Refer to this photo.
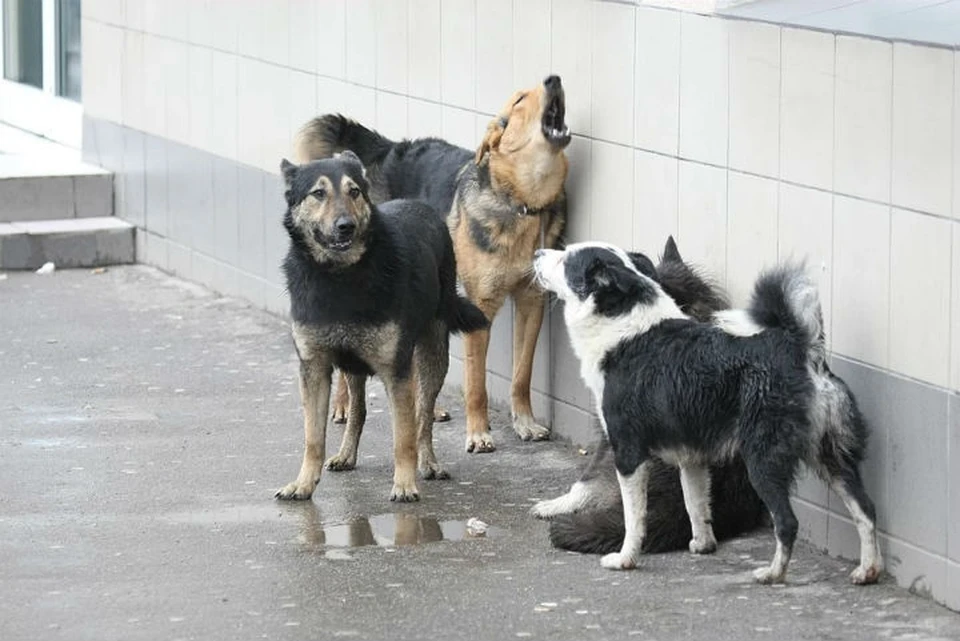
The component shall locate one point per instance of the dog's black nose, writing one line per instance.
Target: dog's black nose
(552, 82)
(345, 225)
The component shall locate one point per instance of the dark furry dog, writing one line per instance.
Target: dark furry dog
(372, 292)
(501, 202)
(589, 518)
(692, 394)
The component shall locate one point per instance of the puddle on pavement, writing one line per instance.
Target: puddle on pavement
(385, 530)
(388, 530)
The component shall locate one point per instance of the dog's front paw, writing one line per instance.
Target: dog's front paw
(297, 491)
(703, 545)
(529, 430)
(402, 493)
(433, 472)
(865, 575)
(339, 414)
(617, 561)
(341, 463)
(480, 442)
(551, 508)
(768, 576)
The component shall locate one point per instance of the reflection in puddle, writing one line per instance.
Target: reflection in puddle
(384, 530)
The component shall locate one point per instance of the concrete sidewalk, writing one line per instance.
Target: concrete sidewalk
(145, 423)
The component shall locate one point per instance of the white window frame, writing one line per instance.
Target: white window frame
(42, 111)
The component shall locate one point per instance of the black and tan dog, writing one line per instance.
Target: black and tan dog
(502, 202)
(372, 292)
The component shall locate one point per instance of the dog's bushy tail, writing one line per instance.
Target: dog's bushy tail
(785, 297)
(327, 135)
(466, 317)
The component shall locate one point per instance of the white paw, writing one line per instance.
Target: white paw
(616, 561)
(768, 576)
(549, 509)
(703, 545)
(865, 575)
(529, 430)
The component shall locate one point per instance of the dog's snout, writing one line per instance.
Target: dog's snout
(552, 82)
(345, 225)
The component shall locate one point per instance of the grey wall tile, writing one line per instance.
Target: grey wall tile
(155, 181)
(574, 424)
(110, 145)
(131, 200)
(199, 188)
(500, 352)
(250, 221)
(90, 149)
(566, 382)
(180, 203)
(915, 569)
(226, 210)
(953, 523)
(275, 236)
(813, 523)
(917, 465)
(180, 259)
(952, 594)
(871, 388)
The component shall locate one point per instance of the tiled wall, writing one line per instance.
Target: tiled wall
(748, 141)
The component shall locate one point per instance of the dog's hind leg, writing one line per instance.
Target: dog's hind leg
(773, 487)
(316, 374)
(346, 457)
(528, 317)
(341, 400)
(633, 489)
(403, 406)
(430, 363)
(475, 345)
(695, 481)
(849, 487)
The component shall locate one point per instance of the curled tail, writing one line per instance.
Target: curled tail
(332, 133)
(785, 297)
(466, 317)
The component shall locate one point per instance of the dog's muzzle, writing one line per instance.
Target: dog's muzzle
(555, 130)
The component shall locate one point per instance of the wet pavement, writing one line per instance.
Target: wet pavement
(145, 424)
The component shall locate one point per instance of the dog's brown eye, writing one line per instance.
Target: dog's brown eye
(319, 194)
(354, 192)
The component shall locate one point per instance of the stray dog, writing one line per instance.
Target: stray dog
(589, 518)
(693, 394)
(501, 202)
(373, 292)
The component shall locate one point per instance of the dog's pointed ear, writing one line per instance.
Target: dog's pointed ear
(351, 157)
(491, 139)
(644, 265)
(289, 171)
(670, 252)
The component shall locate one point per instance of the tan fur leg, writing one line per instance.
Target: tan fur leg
(528, 318)
(341, 400)
(403, 404)
(315, 381)
(431, 361)
(475, 346)
(346, 458)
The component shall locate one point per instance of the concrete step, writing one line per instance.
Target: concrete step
(73, 242)
(52, 188)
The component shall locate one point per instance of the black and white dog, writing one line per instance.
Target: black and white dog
(756, 383)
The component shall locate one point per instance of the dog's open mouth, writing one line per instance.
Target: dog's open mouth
(555, 130)
(331, 242)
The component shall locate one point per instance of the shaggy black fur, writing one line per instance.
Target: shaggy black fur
(735, 505)
(407, 274)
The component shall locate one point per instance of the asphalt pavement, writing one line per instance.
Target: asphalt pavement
(145, 424)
